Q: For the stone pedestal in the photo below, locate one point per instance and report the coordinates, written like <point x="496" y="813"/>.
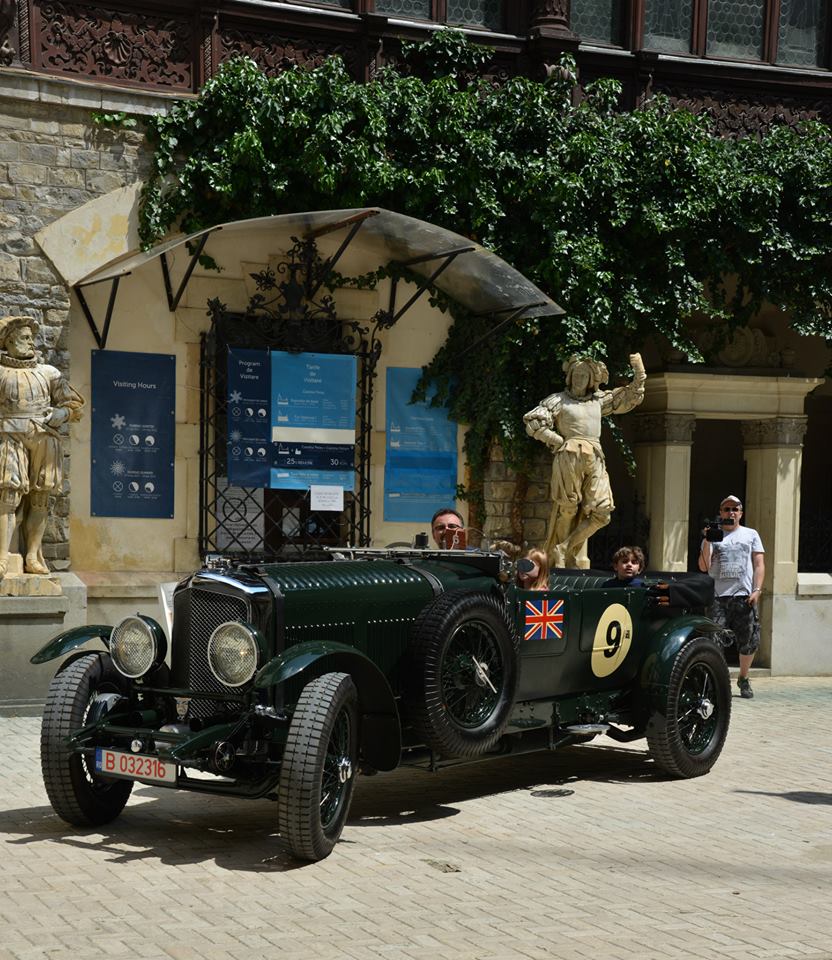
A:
<point x="662" y="446"/>
<point x="16" y="583"/>
<point x="26" y="624"/>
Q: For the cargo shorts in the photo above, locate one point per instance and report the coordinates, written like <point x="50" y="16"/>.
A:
<point x="737" y="615"/>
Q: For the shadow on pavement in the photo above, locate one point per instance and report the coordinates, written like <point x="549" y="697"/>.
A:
<point x="181" y="828"/>
<point x="413" y="794"/>
<point x="797" y="796"/>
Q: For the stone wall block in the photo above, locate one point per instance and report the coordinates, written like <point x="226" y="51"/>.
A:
<point x="65" y="177"/>
<point x="45" y="154"/>
<point x="56" y="551"/>
<point x="501" y="490"/>
<point x="11" y="222"/>
<point x="497" y="471"/>
<point x="51" y="127"/>
<point x="541" y="511"/>
<point x="36" y="270"/>
<point x="85" y="159"/>
<point x="9" y="150"/>
<point x="535" y="531"/>
<point x="537" y="492"/>
<point x="113" y="159"/>
<point x="23" y="246"/>
<point x="9" y="268"/>
<point x="102" y="181"/>
<point x="48" y="335"/>
<point x="57" y="529"/>
<point x="77" y="130"/>
<point x="27" y="173"/>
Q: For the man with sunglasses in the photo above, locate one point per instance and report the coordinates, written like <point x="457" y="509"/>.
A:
<point x="737" y="565"/>
<point x="448" y="529"/>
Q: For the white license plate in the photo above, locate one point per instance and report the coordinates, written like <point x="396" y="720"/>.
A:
<point x="134" y="766"/>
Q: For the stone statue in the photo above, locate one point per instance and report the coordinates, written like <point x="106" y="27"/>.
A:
<point x="35" y="400"/>
<point x="569" y="423"/>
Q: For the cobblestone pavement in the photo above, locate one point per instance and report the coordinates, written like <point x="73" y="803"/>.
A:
<point x="581" y="853"/>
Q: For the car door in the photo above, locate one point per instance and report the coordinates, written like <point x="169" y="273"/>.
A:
<point x="576" y="639"/>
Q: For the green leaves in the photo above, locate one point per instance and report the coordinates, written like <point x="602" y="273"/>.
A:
<point x="631" y="221"/>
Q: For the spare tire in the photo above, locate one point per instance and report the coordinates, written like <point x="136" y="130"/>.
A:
<point x="462" y="675"/>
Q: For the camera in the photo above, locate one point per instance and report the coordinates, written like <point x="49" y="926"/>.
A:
<point x="713" y="531"/>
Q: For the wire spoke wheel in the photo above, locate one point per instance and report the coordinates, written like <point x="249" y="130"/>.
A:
<point x="471" y="674"/>
<point x="461" y="677"/>
<point x="687" y="729"/>
<point x="77" y="793"/>
<point x="698" y="717"/>
<point x="337" y="769"/>
<point x="320" y="762"/>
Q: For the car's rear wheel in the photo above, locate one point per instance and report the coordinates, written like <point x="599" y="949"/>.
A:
<point x="77" y="794"/>
<point x="462" y="675"/>
<point x="688" y="726"/>
<point x="320" y="763"/>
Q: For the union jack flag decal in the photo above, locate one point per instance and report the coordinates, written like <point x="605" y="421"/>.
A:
<point x="544" y="619"/>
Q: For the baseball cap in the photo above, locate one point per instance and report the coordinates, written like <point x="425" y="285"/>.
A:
<point x="730" y="498"/>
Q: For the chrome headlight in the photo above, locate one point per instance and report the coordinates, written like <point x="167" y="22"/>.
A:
<point x="137" y="646"/>
<point x="234" y="653"/>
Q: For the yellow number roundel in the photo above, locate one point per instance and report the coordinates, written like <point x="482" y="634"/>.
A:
<point x="612" y="640"/>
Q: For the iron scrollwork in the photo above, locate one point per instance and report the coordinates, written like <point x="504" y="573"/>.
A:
<point x="285" y="313"/>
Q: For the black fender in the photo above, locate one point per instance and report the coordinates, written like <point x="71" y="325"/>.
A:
<point x="664" y="647"/>
<point x="71" y="640"/>
<point x="381" y="737"/>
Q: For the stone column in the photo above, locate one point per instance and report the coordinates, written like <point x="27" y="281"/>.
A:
<point x="663" y="445"/>
<point x="551" y="18"/>
<point x="773" y="455"/>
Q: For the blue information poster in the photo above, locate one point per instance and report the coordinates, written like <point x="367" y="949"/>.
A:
<point x="249" y="418"/>
<point x="420" y="465"/>
<point x="291" y="419"/>
<point x="313" y="420"/>
<point x="132" y="434"/>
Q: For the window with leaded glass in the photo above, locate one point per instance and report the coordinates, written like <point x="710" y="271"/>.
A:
<point x="597" y="19"/>
<point x="344" y="4"/>
<point x="476" y="13"/>
<point x="735" y="29"/>
<point x="667" y="25"/>
<point x="802" y="33"/>
<point x="419" y="9"/>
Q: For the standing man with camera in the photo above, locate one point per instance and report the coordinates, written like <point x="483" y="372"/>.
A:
<point x="734" y="557"/>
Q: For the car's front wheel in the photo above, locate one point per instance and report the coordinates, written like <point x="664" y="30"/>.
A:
<point x="75" y="791"/>
<point x="688" y="725"/>
<point x="320" y="764"/>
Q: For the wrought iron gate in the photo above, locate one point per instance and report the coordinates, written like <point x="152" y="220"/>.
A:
<point x="277" y="525"/>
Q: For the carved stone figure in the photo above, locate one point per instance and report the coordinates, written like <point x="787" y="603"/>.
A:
<point x="569" y="423"/>
<point x="35" y="400"/>
<point x="8" y="9"/>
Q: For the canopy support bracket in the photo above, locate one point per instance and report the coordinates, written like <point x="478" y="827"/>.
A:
<point x="173" y="299"/>
<point x="446" y="258"/>
<point x="514" y="315"/>
<point x="329" y="265"/>
<point x="100" y="337"/>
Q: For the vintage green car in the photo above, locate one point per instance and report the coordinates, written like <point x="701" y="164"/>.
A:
<point x="285" y="681"/>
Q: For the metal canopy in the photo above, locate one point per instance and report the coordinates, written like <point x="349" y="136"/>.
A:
<point x="466" y="271"/>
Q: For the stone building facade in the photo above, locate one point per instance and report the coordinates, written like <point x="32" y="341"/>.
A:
<point x="750" y="63"/>
<point x="53" y="159"/>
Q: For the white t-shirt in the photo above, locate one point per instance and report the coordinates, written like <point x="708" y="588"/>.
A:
<point x="731" y="565"/>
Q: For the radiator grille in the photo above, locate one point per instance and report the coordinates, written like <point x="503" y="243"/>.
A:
<point x="208" y="611"/>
